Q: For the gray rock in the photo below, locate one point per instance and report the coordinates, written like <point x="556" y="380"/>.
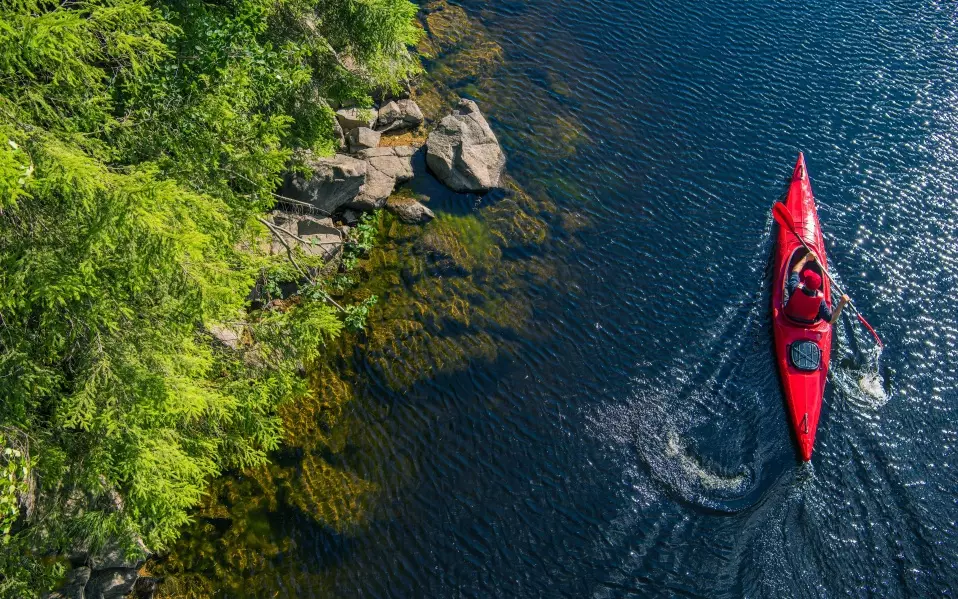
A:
<point x="377" y="188"/>
<point x="350" y="217"/>
<point x="313" y="236"/>
<point x="409" y="210"/>
<point x="385" y="167"/>
<point x="145" y="587"/>
<point x="73" y="586"/>
<point x="398" y="115"/>
<point x="112" y="556"/>
<point x="231" y="337"/>
<point x="395" y="161"/>
<point x="463" y="152"/>
<point x="362" y="138"/>
<point x="350" y="118"/>
<point x="339" y="135"/>
<point x="334" y="182"/>
<point x="111" y="584"/>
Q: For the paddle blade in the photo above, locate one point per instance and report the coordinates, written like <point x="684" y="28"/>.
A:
<point x="782" y="216"/>
<point x="871" y="330"/>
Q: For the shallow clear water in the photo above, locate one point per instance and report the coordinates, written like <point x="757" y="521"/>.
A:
<point x="631" y="439"/>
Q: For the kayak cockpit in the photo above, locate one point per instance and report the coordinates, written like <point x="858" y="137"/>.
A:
<point x="797" y="255"/>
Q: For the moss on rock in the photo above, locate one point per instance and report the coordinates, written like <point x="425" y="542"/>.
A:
<point x="463" y="242"/>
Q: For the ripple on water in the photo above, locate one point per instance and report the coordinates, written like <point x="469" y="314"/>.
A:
<point x="631" y="439"/>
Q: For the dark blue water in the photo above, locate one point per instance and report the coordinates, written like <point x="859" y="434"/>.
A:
<point x="635" y="444"/>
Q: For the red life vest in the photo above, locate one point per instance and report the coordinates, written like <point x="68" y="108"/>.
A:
<point x="803" y="307"/>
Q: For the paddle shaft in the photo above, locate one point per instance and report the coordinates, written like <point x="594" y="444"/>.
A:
<point x="824" y="270"/>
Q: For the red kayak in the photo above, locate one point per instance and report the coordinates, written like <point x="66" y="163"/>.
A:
<point x="801" y="350"/>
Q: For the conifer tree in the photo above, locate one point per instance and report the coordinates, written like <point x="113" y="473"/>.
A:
<point x="139" y="140"/>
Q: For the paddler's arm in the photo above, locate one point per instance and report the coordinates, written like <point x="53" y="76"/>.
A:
<point x="792" y="282"/>
<point x="809" y="257"/>
<point x="838" y="309"/>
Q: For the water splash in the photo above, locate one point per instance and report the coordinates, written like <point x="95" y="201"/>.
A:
<point x="660" y="420"/>
<point x="692" y="469"/>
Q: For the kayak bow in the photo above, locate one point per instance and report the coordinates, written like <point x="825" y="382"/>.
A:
<point x="801" y="350"/>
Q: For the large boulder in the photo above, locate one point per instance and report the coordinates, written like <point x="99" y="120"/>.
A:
<point x="362" y="138"/>
<point x="333" y="182"/>
<point x="395" y="161"/>
<point x="350" y="118"/>
<point x="463" y="152"/>
<point x="384" y="167"/>
<point x="409" y="210"/>
<point x="398" y="115"/>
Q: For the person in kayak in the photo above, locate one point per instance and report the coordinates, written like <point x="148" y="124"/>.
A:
<point x="806" y="302"/>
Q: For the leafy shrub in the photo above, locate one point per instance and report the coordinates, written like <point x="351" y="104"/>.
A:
<point x="14" y="476"/>
<point x="356" y="315"/>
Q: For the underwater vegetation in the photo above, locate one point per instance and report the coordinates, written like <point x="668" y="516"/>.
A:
<point x="449" y="296"/>
<point x="451" y="293"/>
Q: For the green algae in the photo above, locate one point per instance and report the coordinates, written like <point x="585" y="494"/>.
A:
<point x="520" y="220"/>
<point x="461" y="58"/>
<point x="463" y="242"/>
<point x="447" y="288"/>
<point x="460" y="49"/>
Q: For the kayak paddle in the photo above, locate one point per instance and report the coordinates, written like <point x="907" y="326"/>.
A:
<point x="784" y="218"/>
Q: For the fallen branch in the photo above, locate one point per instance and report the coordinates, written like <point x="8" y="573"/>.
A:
<point x="278" y="234"/>
<point x="300" y="239"/>
<point x="301" y="203"/>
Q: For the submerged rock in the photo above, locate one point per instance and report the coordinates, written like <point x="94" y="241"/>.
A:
<point x="460" y="49"/>
<point x="351" y="118"/>
<point x="363" y="138"/>
<point x="462" y="243"/>
<point x="333" y="182"/>
<point x="384" y="167"/>
<point x="398" y="115"/>
<point x="463" y="151"/>
<point x="409" y="210"/>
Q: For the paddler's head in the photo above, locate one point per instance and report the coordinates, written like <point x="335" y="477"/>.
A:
<point x="812" y="280"/>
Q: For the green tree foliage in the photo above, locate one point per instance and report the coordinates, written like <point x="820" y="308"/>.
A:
<point x="138" y="142"/>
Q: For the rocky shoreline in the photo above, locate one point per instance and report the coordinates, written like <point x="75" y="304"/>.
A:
<point x="320" y="201"/>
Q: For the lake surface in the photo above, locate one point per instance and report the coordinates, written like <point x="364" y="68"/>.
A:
<point x="631" y="440"/>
